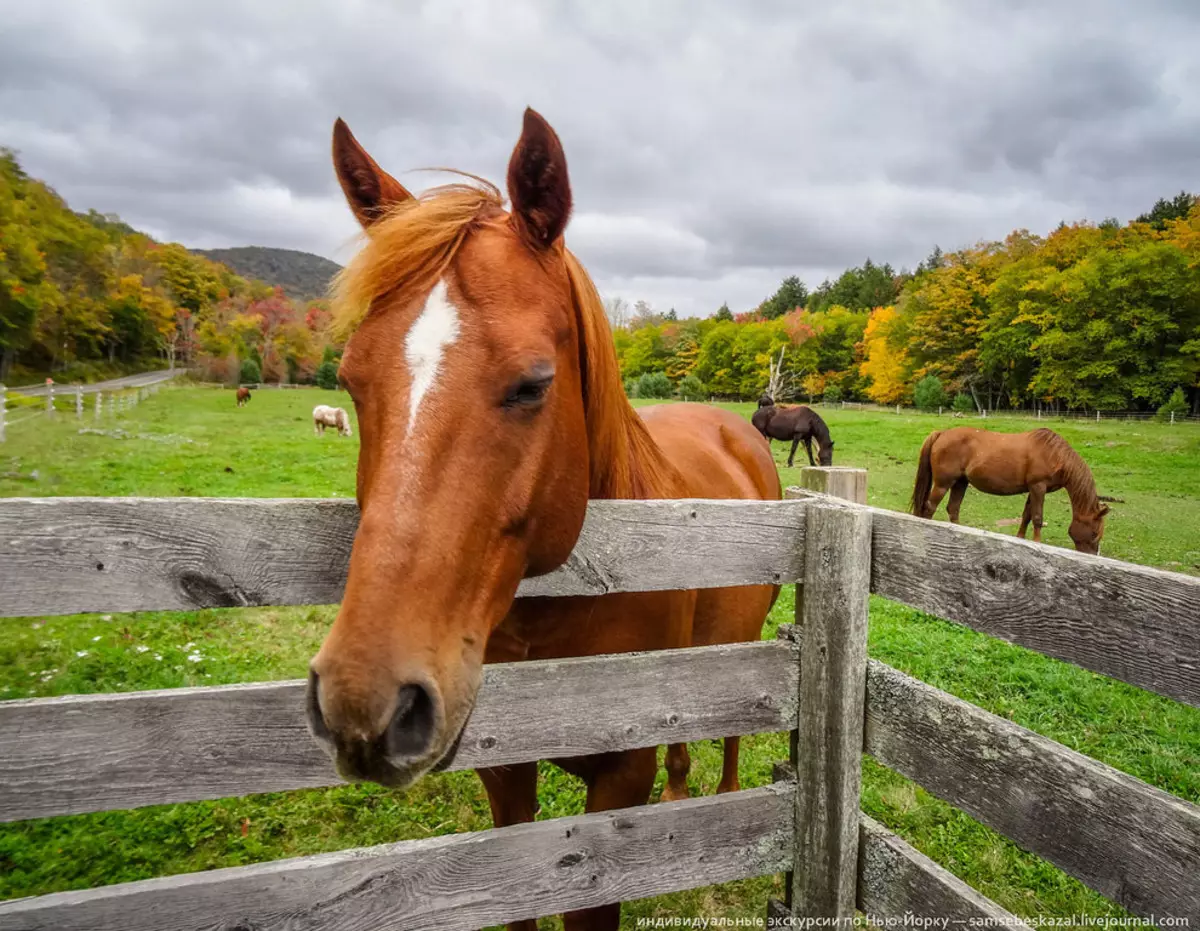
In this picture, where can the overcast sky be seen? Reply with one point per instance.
(714, 147)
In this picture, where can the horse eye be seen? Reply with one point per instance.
(528, 392)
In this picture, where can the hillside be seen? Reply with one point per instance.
(302, 275)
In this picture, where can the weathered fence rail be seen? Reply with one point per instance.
(1130, 841)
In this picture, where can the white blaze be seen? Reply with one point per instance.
(434, 330)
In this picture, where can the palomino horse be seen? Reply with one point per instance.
(463, 313)
(1037, 462)
(796, 424)
(325, 416)
(243, 396)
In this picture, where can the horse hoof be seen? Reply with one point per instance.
(670, 795)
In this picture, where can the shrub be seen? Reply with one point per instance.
(654, 385)
(963, 403)
(691, 388)
(1176, 404)
(330, 355)
(327, 375)
(929, 394)
(833, 394)
(630, 385)
(250, 373)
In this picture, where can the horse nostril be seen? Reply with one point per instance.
(411, 729)
(316, 720)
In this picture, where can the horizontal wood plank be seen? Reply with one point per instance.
(1134, 623)
(895, 879)
(77, 555)
(461, 881)
(97, 752)
(1129, 841)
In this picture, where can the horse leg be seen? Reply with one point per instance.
(1037, 497)
(957, 490)
(1025, 516)
(620, 780)
(792, 454)
(512, 795)
(729, 766)
(936, 493)
(678, 764)
(808, 449)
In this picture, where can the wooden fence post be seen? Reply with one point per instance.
(831, 630)
(831, 618)
(49, 395)
(99, 403)
(3, 410)
(839, 481)
(78, 401)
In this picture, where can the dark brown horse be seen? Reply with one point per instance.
(1035, 463)
(798, 424)
(243, 395)
(464, 312)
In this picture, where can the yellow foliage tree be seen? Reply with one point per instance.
(886, 367)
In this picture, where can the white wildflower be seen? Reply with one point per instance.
(95, 640)
(194, 657)
(81, 653)
(142, 649)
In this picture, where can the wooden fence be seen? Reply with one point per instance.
(1132, 842)
(119, 395)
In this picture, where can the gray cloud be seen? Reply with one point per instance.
(713, 147)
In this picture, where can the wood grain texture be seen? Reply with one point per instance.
(831, 628)
(1133, 843)
(76, 555)
(837, 481)
(1134, 623)
(97, 752)
(895, 879)
(462, 881)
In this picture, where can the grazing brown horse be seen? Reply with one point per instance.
(243, 396)
(1036, 462)
(798, 424)
(462, 312)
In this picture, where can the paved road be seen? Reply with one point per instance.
(129, 381)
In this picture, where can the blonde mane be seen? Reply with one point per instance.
(411, 248)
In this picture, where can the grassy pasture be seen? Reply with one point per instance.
(193, 441)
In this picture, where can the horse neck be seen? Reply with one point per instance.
(818, 429)
(1079, 484)
(625, 462)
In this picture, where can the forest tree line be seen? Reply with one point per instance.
(83, 296)
(1091, 316)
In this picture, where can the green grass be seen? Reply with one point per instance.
(193, 441)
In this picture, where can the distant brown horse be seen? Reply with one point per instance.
(798, 424)
(462, 312)
(243, 396)
(1037, 462)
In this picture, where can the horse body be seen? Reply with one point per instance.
(462, 312)
(799, 424)
(1034, 463)
(325, 416)
(243, 396)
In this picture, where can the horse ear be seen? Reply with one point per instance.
(537, 183)
(369, 189)
(1103, 510)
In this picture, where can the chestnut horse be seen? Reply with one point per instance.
(461, 312)
(797, 424)
(243, 395)
(1036, 462)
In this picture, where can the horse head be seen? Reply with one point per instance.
(1087, 530)
(466, 321)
